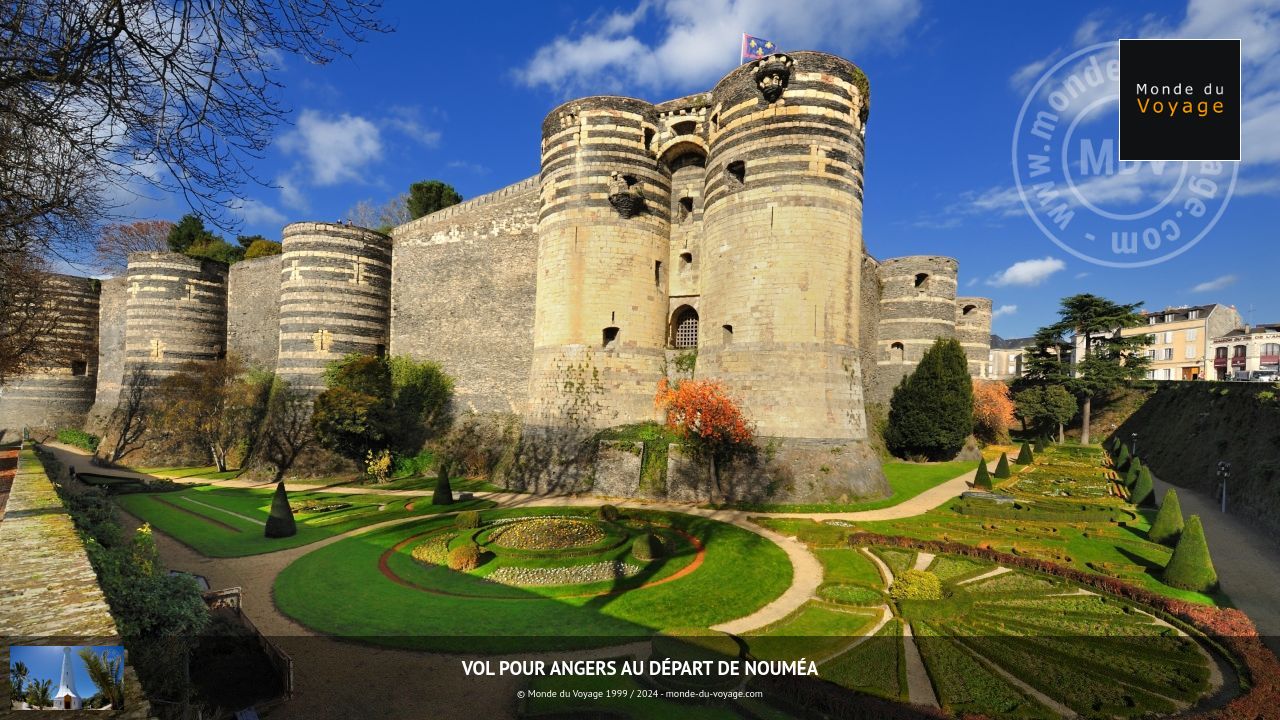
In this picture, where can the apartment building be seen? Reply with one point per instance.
(1006, 357)
(1246, 350)
(1179, 339)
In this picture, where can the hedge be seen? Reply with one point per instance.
(1002, 467)
(280, 522)
(1168, 524)
(982, 480)
(1190, 566)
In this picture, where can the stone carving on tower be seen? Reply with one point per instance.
(772, 74)
(625, 195)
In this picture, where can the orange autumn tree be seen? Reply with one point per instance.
(707, 418)
(992, 410)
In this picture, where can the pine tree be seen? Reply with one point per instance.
(1143, 489)
(1002, 467)
(1024, 455)
(931, 412)
(1190, 566)
(982, 480)
(1168, 523)
(280, 522)
(444, 492)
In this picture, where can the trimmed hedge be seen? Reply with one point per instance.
(1143, 489)
(79, 438)
(1167, 526)
(280, 522)
(443, 494)
(916, 585)
(1002, 467)
(1024, 455)
(608, 513)
(464, 557)
(647, 547)
(982, 480)
(467, 520)
(1190, 566)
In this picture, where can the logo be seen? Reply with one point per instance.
(1082, 196)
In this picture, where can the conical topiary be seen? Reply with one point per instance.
(982, 481)
(1131, 475)
(1122, 458)
(1143, 489)
(1168, 523)
(647, 547)
(444, 492)
(1024, 454)
(1042, 443)
(280, 521)
(1190, 566)
(1002, 467)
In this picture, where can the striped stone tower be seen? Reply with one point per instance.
(973, 330)
(335, 298)
(60, 392)
(603, 244)
(917, 306)
(782, 224)
(175, 311)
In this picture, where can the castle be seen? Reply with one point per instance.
(727, 223)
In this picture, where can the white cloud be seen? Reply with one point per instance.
(1217, 283)
(1004, 310)
(1081, 275)
(335, 149)
(1027, 272)
(291, 192)
(408, 120)
(256, 212)
(469, 167)
(698, 39)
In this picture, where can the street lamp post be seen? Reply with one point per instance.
(1133, 449)
(1224, 474)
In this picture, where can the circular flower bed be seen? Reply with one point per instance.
(568, 575)
(547, 534)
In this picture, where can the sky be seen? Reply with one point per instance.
(457, 92)
(45, 663)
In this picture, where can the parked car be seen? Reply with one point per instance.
(1268, 376)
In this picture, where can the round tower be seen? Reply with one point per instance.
(60, 391)
(917, 306)
(603, 252)
(973, 330)
(175, 311)
(782, 229)
(335, 298)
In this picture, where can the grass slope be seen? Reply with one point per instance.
(907, 480)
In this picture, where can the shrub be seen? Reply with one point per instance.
(467, 520)
(1122, 458)
(1002, 467)
(992, 410)
(465, 557)
(262, 248)
(79, 438)
(1190, 566)
(1024, 454)
(280, 522)
(1042, 443)
(916, 585)
(608, 513)
(1143, 489)
(404, 466)
(1131, 476)
(1168, 523)
(647, 547)
(434, 550)
(931, 412)
(982, 480)
(444, 491)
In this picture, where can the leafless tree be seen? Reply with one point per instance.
(288, 430)
(387, 215)
(173, 95)
(30, 317)
(115, 242)
(131, 417)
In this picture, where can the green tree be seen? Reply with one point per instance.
(421, 394)
(189, 231)
(287, 430)
(1002, 467)
(280, 522)
(1024, 454)
(1143, 489)
(247, 241)
(262, 248)
(40, 694)
(1190, 566)
(1167, 526)
(212, 404)
(428, 196)
(931, 411)
(107, 673)
(982, 480)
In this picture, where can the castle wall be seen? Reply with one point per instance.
(175, 312)
(111, 331)
(973, 330)
(60, 391)
(335, 298)
(600, 321)
(463, 289)
(253, 311)
(917, 306)
(783, 233)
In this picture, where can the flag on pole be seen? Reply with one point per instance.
(754, 48)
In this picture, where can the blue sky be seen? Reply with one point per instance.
(458, 92)
(45, 663)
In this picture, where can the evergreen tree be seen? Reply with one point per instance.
(1002, 467)
(428, 196)
(931, 412)
(280, 522)
(1143, 489)
(1190, 566)
(1168, 523)
(444, 492)
(188, 231)
(982, 480)
(1024, 454)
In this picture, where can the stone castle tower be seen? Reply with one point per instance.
(727, 223)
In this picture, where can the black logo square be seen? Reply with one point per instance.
(1180, 100)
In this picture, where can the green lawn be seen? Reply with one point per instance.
(340, 590)
(907, 480)
(229, 522)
